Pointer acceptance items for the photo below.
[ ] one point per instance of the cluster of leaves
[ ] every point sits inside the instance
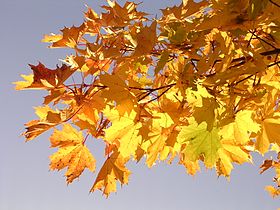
(200, 84)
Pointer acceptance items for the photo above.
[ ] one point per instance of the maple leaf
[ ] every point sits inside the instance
(117, 90)
(159, 138)
(229, 153)
(155, 148)
(123, 132)
(241, 128)
(72, 153)
(28, 79)
(75, 158)
(44, 78)
(162, 61)
(199, 142)
(269, 133)
(206, 112)
(112, 170)
(146, 40)
(69, 38)
(67, 136)
(118, 16)
(48, 119)
(192, 167)
(88, 118)
(35, 128)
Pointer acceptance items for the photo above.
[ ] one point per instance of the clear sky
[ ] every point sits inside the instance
(25, 180)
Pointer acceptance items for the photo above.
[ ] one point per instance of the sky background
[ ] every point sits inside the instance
(25, 180)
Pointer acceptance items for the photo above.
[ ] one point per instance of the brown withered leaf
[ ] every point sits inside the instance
(45, 78)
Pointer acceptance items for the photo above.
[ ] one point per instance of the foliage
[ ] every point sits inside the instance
(200, 84)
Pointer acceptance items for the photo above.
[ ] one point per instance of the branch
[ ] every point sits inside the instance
(153, 99)
(152, 89)
(244, 79)
(271, 52)
(272, 64)
(272, 2)
(261, 39)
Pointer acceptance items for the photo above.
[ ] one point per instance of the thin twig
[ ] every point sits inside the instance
(272, 2)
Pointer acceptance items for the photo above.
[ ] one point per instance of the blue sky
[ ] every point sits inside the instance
(25, 180)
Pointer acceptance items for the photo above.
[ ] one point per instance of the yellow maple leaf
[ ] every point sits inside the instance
(228, 153)
(45, 113)
(52, 37)
(161, 132)
(123, 131)
(28, 79)
(206, 112)
(157, 145)
(35, 128)
(161, 120)
(76, 158)
(112, 170)
(48, 119)
(195, 97)
(118, 16)
(241, 128)
(69, 37)
(117, 90)
(88, 116)
(72, 153)
(65, 137)
(192, 167)
(269, 134)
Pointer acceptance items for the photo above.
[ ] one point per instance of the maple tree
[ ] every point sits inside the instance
(200, 84)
